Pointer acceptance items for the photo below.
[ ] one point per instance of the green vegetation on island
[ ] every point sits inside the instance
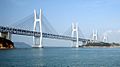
(101, 44)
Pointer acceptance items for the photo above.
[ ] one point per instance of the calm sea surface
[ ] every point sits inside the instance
(60, 57)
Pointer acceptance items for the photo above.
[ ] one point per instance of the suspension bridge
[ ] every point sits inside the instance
(38, 31)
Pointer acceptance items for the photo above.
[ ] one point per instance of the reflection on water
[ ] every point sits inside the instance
(60, 57)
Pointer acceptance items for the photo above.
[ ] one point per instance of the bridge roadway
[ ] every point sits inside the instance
(37, 34)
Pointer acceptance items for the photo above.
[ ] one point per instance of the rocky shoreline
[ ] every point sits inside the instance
(6, 44)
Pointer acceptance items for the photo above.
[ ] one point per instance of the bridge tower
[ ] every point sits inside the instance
(37, 20)
(94, 36)
(75, 30)
(105, 38)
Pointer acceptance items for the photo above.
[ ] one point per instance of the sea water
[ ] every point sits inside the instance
(60, 57)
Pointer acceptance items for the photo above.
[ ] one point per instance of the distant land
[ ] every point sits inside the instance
(21, 45)
(101, 44)
(88, 45)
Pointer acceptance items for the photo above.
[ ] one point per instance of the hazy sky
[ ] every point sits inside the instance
(103, 15)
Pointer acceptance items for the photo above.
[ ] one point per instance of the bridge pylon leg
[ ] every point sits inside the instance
(75, 30)
(39, 20)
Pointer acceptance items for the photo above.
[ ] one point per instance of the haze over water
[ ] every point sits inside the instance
(60, 57)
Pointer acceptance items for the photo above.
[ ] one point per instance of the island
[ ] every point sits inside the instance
(101, 44)
(5, 43)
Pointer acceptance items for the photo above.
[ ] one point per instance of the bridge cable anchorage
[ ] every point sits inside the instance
(75, 30)
(39, 20)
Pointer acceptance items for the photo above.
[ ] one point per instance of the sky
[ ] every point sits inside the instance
(101, 15)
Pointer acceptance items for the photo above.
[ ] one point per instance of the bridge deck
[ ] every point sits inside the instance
(37, 34)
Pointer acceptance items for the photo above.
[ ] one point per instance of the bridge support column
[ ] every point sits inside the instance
(105, 38)
(5, 35)
(75, 30)
(94, 36)
(40, 29)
